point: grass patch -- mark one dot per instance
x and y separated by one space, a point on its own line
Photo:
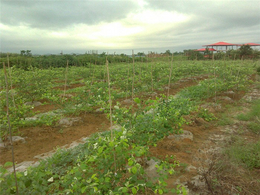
253 116
225 120
246 154
254 127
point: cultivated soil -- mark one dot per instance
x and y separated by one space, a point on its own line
44 139
192 154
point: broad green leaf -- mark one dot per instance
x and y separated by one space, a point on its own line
124 189
83 189
134 170
130 162
134 191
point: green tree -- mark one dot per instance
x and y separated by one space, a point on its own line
23 52
140 54
245 51
28 53
168 52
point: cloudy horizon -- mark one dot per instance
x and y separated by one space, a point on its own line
78 26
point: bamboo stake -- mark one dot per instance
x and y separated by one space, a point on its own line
170 78
110 111
10 75
140 73
127 80
66 72
152 75
133 74
147 60
9 127
92 80
93 74
214 78
110 102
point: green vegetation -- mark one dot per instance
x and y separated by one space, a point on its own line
108 164
253 117
243 153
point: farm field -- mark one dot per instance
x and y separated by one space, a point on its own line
165 123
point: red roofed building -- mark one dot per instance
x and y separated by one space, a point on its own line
252 44
222 44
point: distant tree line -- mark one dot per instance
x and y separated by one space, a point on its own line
25 59
244 52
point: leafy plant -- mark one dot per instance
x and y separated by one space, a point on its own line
204 113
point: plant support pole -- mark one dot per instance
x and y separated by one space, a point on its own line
110 111
66 72
133 56
9 127
10 75
110 102
170 78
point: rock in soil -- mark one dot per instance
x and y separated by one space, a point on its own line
34 103
184 135
17 139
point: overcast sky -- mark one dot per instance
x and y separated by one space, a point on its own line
52 26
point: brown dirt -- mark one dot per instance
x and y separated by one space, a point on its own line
45 108
71 86
185 151
44 139
188 153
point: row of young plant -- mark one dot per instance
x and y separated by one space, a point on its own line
48 84
115 164
108 164
37 84
49 61
78 171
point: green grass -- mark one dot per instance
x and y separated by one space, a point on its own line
246 154
253 116
225 120
254 127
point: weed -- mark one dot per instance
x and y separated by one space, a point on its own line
225 120
253 116
254 127
247 154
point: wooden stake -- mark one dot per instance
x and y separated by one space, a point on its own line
133 56
92 80
66 72
9 127
127 79
170 78
214 78
152 75
10 75
110 101
110 111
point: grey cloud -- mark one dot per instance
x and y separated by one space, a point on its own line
210 21
61 14
242 12
200 31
